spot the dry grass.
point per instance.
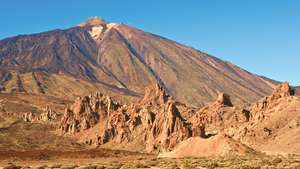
(263, 162)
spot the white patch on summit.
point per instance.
(96, 32)
(112, 25)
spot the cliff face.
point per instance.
(154, 123)
(119, 60)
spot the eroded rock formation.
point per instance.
(48, 115)
(154, 120)
(271, 120)
(217, 115)
(157, 122)
(86, 112)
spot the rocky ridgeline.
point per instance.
(219, 115)
(281, 91)
(155, 121)
(86, 112)
(264, 109)
(48, 115)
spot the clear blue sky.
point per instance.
(261, 36)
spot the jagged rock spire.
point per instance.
(155, 93)
(283, 90)
(224, 99)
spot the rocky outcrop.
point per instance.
(154, 120)
(168, 129)
(215, 116)
(272, 122)
(28, 117)
(48, 115)
(282, 91)
(155, 94)
(86, 112)
(157, 123)
(224, 99)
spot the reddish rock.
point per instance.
(154, 120)
(86, 112)
(224, 99)
(157, 123)
(213, 117)
(283, 90)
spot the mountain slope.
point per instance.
(297, 90)
(117, 59)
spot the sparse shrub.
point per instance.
(133, 166)
(212, 165)
(12, 166)
(277, 160)
(152, 163)
(140, 165)
(128, 166)
(173, 166)
(26, 167)
(88, 167)
(69, 167)
(186, 164)
(41, 167)
(113, 167)
(247, 167)
(55, 166)
(100, 167)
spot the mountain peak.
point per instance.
(93, 21)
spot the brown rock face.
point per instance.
(47, 116)
(214, 117)
(169, 128)
(28, 117)
(283, 90)
(271, 124)
(157, 123)
(154, 121)
(224, 99)
(155, 94)
(86, 112)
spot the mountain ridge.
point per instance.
(110, 56)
